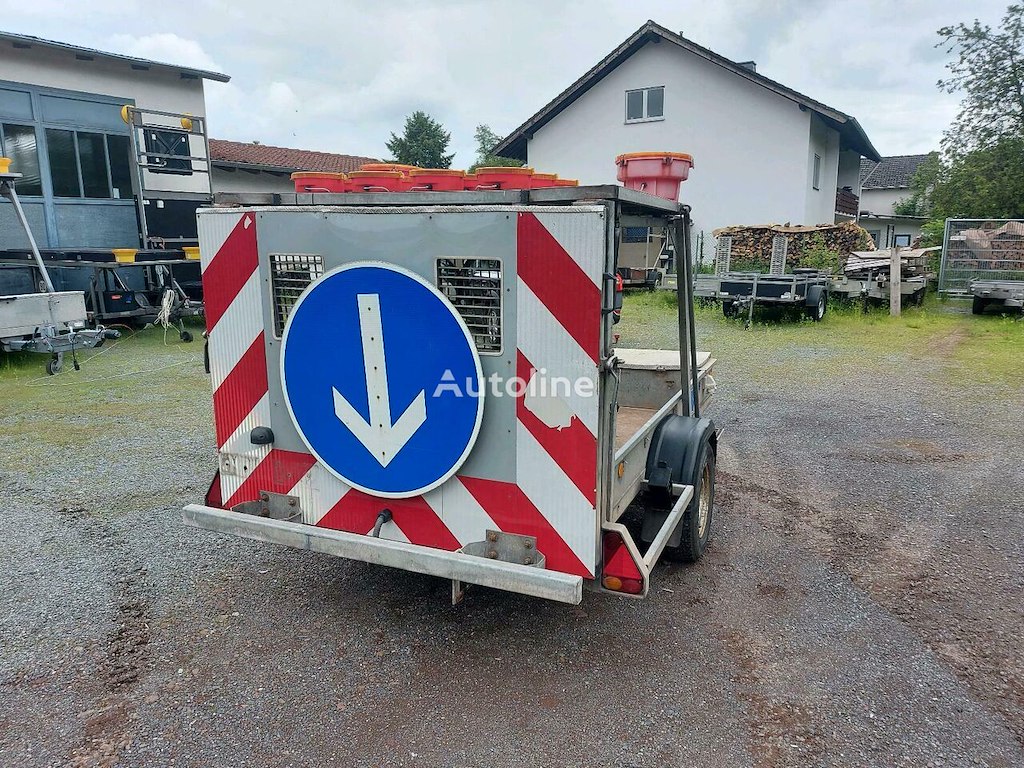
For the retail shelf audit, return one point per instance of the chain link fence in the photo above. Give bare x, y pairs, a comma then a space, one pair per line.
980, 249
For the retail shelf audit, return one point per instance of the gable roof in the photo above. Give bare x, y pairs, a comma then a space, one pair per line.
514, 145
263, 157
890, 172
88, 54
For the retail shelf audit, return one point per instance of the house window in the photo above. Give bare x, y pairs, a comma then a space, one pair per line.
876, 235
168, 145
645, 104
18, 142
86, 164
903, 241
816, 180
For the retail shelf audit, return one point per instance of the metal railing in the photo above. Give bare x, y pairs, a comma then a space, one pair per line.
980, 249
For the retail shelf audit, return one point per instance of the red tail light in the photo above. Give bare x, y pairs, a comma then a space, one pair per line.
621, 572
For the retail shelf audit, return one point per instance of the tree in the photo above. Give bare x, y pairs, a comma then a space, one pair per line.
422, 143
979, 174
486, 141
989, 70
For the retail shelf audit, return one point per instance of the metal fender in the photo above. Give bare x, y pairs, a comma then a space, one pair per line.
675, 449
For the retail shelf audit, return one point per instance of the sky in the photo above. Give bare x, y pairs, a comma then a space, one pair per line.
341, 76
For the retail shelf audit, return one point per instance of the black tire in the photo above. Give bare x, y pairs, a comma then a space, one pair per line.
54, 366
185, 336
695, 526
818, 305
978, 305
729, 309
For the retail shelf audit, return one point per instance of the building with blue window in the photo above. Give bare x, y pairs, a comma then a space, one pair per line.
84, 172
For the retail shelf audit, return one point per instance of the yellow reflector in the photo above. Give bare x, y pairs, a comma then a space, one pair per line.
5, 165
614, 583
191, 251
124, 255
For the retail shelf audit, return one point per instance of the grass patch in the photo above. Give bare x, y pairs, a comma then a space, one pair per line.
954, 345
122, 381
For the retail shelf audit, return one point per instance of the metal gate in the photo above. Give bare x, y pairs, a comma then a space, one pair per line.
981, 249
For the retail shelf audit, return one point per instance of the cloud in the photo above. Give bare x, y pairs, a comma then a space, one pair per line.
342, 75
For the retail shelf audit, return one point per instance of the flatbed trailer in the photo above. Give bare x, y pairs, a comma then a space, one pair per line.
876, 286
738, 292
388, 376
988, 293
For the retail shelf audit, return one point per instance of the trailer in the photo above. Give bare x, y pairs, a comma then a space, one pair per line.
983, 260
428, 381
38, 318
738, 292
126, 286
875, 286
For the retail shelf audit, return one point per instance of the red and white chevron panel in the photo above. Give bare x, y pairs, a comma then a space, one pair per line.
558, 305
238, 355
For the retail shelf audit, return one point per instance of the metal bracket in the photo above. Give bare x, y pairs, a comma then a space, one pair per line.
506, 547
276, 506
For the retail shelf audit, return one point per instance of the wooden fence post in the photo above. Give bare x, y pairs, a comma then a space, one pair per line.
895, 282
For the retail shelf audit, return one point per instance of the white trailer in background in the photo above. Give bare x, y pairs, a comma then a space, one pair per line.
49, 322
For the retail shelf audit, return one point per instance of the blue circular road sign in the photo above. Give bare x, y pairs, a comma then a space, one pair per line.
382, 379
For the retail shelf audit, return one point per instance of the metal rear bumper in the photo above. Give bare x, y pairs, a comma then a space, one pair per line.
551, 585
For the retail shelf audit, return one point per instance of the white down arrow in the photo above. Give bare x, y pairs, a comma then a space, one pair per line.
381, 436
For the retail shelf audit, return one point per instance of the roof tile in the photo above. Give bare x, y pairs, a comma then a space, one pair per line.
242, 153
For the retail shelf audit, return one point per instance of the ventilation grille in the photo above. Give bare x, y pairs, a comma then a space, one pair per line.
290, 275
473, 286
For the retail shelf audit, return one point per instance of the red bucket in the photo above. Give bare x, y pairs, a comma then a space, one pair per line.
503, 178
539, 180
401, 167
436, 180
316, 181
657, 173
377, 181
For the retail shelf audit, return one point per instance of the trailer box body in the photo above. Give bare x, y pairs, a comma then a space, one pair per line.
533, 466
431, 387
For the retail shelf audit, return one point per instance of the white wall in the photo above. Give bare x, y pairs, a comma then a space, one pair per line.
245, 181
157, 89
821, 202
849, 171
880, 201
886, 228
750, 146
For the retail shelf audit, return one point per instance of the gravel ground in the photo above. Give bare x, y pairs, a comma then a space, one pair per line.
859, 604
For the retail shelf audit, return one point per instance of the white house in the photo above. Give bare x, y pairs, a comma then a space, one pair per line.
61, 124
763, 153
883, 185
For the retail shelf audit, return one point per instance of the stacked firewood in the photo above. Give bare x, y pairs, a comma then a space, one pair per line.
823, 247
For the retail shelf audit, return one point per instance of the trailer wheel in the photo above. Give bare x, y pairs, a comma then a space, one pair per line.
695, 527
816, 303
978, 305
54, 365
185, 336
729, 309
